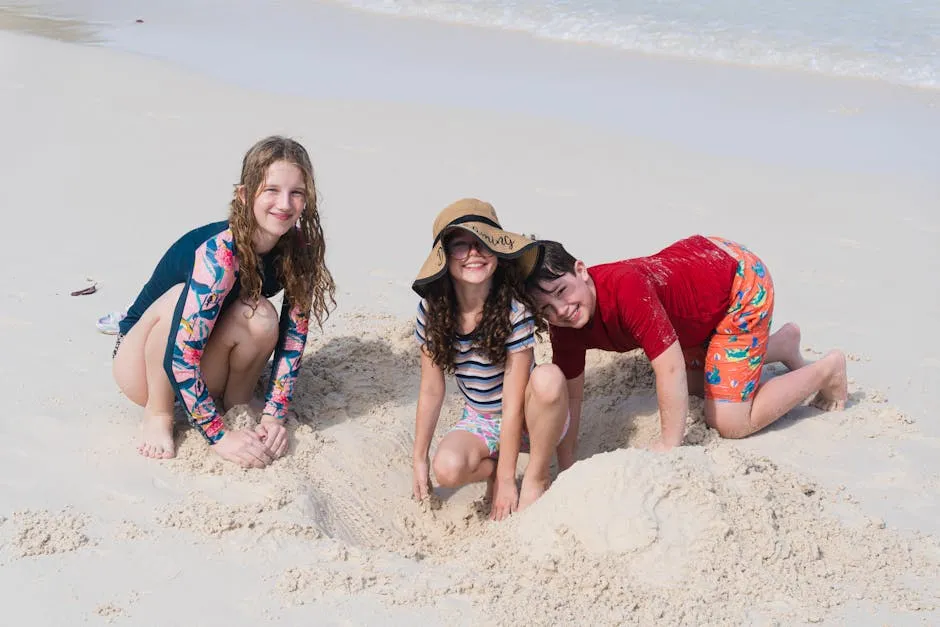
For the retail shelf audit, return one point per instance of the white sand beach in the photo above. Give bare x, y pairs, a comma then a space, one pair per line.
107, 156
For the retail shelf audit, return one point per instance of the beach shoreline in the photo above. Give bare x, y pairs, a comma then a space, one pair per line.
769, 115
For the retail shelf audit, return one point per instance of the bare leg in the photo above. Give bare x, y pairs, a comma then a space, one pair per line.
461, 458
241, 343
235, 354
784, 346
773, 399
546, 408
138, 371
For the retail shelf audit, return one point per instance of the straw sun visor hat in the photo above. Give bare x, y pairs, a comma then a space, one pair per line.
478, 218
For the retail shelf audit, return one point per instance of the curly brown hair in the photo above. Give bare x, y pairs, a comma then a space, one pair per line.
302, 271
495, 327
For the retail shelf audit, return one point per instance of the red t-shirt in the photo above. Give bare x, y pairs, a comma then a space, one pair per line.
681, 292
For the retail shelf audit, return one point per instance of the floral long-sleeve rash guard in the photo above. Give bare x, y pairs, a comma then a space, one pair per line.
211, 284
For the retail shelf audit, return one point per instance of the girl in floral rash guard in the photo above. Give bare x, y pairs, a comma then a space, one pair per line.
202, 329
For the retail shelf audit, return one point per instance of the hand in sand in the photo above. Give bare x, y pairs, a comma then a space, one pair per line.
273, 435
505, 499
243, 447
421, 484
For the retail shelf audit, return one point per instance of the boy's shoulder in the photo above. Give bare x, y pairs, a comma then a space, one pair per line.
620, 267
619, 275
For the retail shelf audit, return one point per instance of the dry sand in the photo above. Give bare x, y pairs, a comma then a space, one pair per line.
826, 518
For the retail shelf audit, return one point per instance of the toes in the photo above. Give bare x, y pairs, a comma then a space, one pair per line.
156, 451
828, 404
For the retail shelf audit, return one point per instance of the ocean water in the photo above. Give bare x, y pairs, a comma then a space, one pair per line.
723, 103
891, 40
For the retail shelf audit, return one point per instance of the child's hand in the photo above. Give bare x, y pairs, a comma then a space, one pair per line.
243, 447
273, 434
421, 484
505, 499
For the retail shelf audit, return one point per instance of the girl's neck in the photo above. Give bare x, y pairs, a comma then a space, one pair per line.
262, 242
471, 298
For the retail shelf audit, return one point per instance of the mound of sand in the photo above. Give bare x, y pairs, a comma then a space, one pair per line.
693, 536
46, 533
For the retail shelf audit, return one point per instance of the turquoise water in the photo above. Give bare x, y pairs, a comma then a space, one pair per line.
892, 40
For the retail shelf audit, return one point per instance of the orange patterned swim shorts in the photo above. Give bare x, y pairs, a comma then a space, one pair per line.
735, 354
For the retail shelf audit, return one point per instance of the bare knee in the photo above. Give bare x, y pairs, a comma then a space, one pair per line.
260, 321
733, 432
144, 346
730, 425
450, 468
547, 385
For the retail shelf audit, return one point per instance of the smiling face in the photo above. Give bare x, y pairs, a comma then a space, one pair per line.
280, 199
468, 260
567, 301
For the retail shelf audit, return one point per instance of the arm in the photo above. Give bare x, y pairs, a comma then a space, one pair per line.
286, 363
292, 338
196, 313
430, 400
673, 395
567, 448
515, 380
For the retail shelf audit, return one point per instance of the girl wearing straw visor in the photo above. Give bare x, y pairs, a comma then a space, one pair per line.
476, 322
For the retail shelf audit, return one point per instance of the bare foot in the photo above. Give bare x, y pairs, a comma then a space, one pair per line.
789, 338
531, 490
835, 393
156, 436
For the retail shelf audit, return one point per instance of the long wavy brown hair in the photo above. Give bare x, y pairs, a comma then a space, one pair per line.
302, 269
494, 329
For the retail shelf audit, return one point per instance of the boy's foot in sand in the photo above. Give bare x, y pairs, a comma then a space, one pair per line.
531, 490
789, 337
835, 393
156, 436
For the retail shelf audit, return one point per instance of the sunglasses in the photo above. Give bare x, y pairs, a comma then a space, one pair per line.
461, 249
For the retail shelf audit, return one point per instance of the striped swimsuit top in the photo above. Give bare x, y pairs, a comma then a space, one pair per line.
481, 381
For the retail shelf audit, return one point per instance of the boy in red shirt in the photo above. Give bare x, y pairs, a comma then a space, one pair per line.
701, 310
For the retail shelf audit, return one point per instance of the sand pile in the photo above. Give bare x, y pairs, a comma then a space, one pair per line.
46, 533
705, 534
696, 536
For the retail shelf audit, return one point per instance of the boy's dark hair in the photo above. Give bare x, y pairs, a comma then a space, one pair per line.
554, 262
